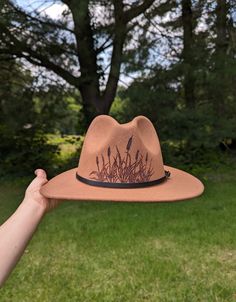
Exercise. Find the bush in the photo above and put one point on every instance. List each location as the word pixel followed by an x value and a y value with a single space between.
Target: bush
pixel 22 153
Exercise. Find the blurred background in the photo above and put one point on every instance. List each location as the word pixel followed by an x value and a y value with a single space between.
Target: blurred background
pixel 64 62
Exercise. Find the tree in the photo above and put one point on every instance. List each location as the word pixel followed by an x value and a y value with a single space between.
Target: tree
pixel 23 145
pixel 188 58
pixel 220 55
pixel 192 100
pixel 76 52
pixel 15 93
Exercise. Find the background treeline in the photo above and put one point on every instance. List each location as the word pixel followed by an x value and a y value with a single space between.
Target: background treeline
pixel 180 54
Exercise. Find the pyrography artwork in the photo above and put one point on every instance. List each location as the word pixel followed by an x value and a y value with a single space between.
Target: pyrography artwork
pixel 123 170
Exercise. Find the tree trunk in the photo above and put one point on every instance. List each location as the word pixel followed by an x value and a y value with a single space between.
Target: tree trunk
pixel 94 101
pixel 188 57
pixel 89 113
pixel 220 56
pixel 93 104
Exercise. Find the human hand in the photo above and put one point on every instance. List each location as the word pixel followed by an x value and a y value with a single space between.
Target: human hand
pixel 32 193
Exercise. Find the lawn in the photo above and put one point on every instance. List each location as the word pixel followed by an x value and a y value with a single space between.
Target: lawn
pixel 99 251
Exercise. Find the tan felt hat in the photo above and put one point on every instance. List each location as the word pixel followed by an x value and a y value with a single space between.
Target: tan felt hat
pixel 122 162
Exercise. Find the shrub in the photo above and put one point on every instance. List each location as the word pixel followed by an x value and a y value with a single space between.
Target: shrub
pixel 23 152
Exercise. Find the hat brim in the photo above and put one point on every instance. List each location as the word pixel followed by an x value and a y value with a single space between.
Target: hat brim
pixel 179 186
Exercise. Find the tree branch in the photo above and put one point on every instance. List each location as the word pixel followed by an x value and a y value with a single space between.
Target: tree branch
pixel 85 49
pixel 104 46
pixel 116 59
pixel 18 48
pixel 137 10
pixel 50 23
pixel 120 29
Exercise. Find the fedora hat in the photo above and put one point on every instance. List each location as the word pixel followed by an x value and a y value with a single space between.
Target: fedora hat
pixel 122 162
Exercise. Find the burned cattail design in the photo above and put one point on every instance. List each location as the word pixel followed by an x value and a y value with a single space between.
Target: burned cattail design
pixel 97 162
pixel 129 143
pixel 123 169
pixel 109 151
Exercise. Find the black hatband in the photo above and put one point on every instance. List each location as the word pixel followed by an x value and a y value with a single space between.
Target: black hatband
pixel 122 184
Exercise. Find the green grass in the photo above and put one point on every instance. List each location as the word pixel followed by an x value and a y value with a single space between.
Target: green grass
pixel 82 251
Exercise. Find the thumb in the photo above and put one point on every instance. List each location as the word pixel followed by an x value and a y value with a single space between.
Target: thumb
pixel 41 175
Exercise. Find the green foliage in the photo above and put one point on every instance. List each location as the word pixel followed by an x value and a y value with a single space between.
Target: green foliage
pixel 58 109
pixel 24 119
pixel 150 96
pixel 189 136
pixel 69 148
pixel 22 152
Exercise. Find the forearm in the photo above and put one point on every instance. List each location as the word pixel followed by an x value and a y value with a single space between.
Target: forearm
pixel 15 234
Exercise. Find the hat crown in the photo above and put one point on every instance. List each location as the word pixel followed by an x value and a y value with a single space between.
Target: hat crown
pixel 121 153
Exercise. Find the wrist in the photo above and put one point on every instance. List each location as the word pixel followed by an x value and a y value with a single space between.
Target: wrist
pixel 34 206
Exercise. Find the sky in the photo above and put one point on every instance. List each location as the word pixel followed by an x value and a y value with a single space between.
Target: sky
pixel 53 10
